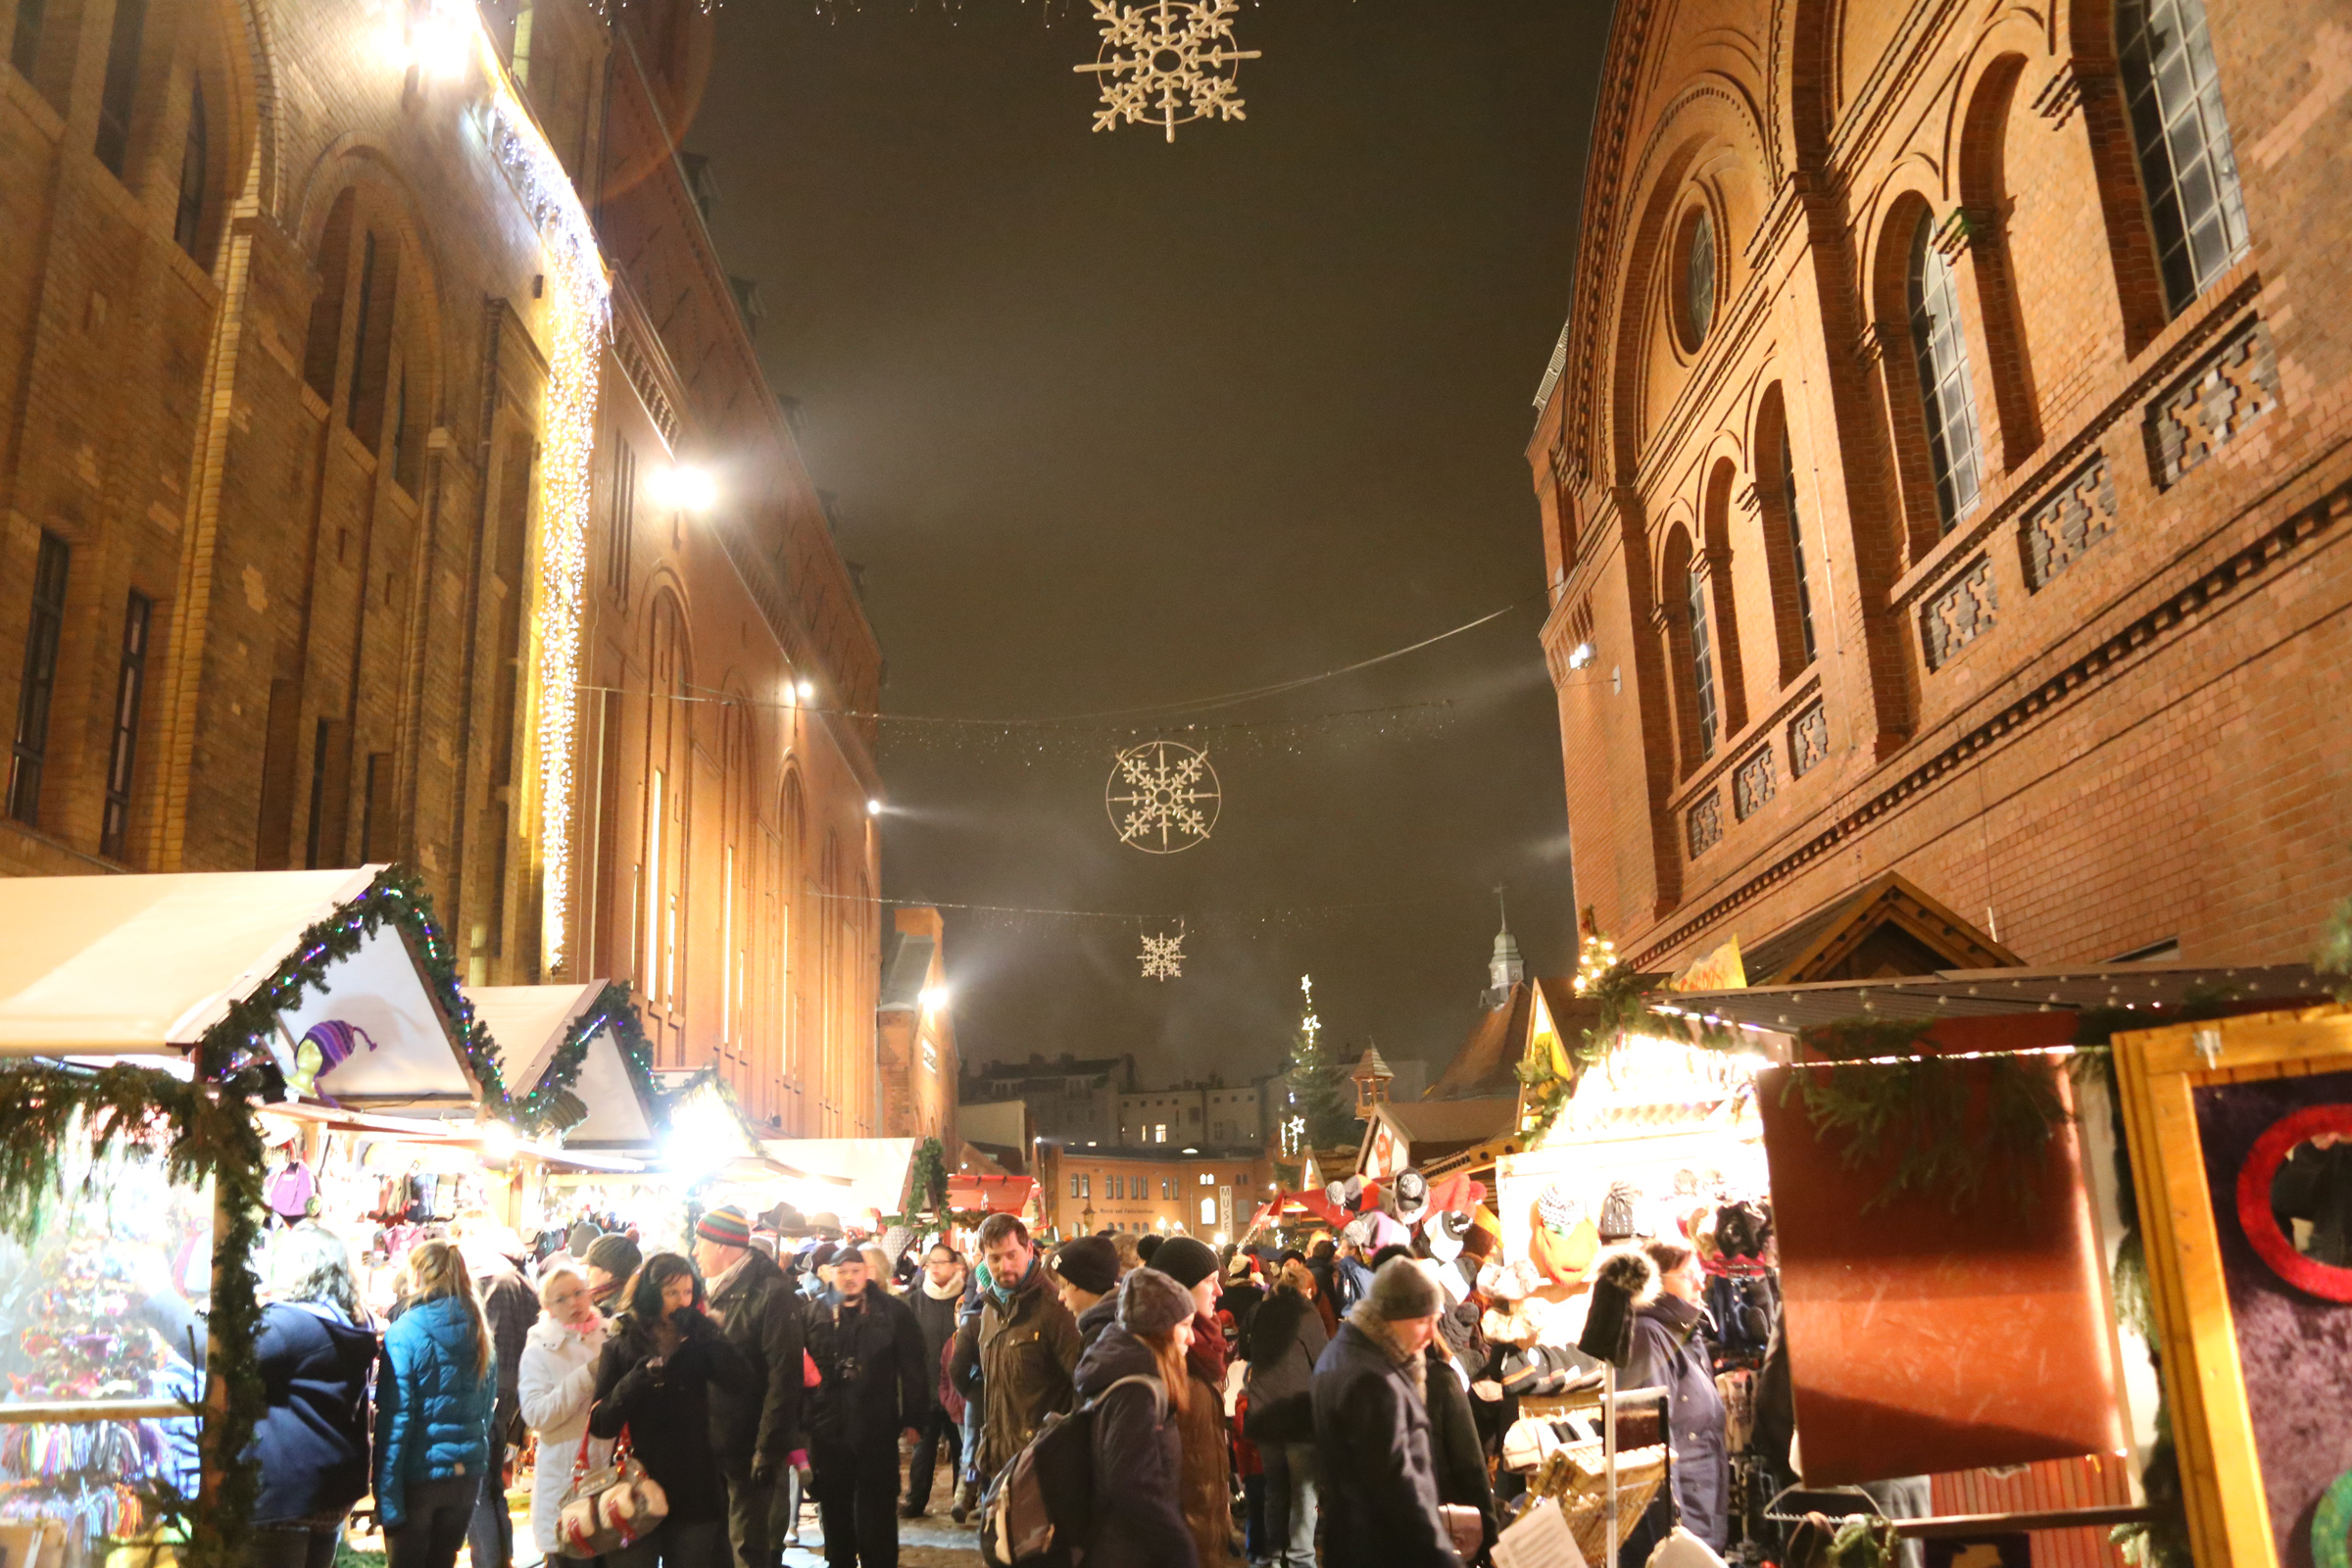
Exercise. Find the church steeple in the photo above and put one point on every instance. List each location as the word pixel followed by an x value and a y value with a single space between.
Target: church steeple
pixel 1505 969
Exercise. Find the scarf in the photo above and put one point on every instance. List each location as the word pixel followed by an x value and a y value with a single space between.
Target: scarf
pixel 1380 1332
pixel 1207 1359
pixel 942 1293
pixel 1001 1294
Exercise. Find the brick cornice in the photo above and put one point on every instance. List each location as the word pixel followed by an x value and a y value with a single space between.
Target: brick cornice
pixel 2243 567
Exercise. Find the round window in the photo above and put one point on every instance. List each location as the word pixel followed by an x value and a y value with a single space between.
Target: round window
pixel 1698 278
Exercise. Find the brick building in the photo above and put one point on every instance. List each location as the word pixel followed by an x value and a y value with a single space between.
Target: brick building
pixel 1942 472
pixel 915 1037
pixel 334 528
pixel 1201 1190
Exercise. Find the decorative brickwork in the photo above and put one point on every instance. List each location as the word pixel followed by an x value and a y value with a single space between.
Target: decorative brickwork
pixel 1808 740
pixel 1704 823
pixel 2062 530
pixel 2236 385
pixel 1753 785
pixel 1958 616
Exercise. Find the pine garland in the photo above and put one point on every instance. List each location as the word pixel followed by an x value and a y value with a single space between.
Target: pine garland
pixel 927 1183
pixel 551 1106
pixel 205 1128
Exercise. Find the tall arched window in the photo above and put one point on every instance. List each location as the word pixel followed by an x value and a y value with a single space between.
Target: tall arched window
pixel 1702 663
pixel 1793 520
pixel 2185 166
pixel 1941 350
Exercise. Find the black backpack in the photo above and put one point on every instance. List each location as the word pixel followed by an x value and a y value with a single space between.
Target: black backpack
pixel 1041 1508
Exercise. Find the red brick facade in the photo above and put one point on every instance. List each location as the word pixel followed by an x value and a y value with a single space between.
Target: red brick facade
pixel 2010 514
pixel 273 408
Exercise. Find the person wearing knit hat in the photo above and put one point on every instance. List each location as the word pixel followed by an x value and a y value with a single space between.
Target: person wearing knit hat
pixel 1208 1454
pixel 1147 1244
pixel 1085 1272
pixel 754 1419
pixel 1189 1261
pixel 1134 1377
pixel 1373 1457
pixel 611 1260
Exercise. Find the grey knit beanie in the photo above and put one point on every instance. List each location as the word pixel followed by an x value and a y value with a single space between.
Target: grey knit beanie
pixel 1403 1288
pixel 1151 1304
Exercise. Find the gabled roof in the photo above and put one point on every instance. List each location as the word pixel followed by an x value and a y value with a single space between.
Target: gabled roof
pixel 1884 928
pixel 1488 1065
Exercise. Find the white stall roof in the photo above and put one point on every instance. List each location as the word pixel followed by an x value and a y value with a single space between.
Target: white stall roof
pixel 96 966
pixel 528 1022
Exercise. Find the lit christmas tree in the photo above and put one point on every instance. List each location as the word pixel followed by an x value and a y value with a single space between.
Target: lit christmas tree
pixel 1319 1112
pixel 1596 954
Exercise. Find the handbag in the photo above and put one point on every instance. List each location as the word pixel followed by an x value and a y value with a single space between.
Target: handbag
pixel 606 1510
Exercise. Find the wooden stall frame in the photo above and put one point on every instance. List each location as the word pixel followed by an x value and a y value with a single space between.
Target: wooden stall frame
pixel 2158 1072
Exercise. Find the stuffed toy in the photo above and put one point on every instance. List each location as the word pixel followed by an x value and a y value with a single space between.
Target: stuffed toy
pixel 1563 1241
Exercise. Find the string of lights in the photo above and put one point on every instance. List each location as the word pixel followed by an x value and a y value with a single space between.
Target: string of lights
pixel 578 313
pixel 1286 916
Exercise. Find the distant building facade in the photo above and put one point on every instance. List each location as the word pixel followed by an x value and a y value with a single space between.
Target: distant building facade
pixel 301 504
pixel 1211 1192
pixel 1193 1113
pixel 1943 471
pixel 1073 1099
pixel 915 1031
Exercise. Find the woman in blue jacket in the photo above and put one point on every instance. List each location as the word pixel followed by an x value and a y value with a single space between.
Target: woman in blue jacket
pixel 433 1397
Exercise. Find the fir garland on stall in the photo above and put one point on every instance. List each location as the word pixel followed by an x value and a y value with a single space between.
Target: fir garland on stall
pixel 927 1178
pixel 204 1127
pixel 1917 1105
pixel 551 1106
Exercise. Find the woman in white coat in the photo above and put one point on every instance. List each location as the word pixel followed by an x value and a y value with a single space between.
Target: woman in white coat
pixel 557 1384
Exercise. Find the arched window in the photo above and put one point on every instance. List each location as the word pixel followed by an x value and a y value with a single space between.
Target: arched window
pixel 1941 350
pixel 195 157
pixel 2182 138
pixel 1794 521
pixel 1690 277
pixel 1702 664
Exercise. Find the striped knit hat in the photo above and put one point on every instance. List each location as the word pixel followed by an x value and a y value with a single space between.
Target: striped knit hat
pixel 727 1226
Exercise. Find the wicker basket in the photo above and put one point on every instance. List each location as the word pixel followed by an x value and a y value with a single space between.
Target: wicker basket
pixel 1574 1476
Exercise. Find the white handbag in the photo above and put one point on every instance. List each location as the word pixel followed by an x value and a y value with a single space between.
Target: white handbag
pixel 606 1510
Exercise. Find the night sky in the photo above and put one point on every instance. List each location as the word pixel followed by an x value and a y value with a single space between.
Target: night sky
pixel 1115 423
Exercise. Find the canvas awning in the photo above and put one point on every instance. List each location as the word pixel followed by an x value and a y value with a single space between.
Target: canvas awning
pixel 844 1176
pixel 101 967
pixel 532 1025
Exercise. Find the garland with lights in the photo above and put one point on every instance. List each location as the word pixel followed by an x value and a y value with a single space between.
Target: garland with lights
pixel 204 1128
pixel 551 1106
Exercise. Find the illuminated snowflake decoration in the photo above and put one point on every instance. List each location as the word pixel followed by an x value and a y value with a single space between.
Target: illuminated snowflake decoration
pixel 1163 958
pixel 1168 63
pixel 1162 797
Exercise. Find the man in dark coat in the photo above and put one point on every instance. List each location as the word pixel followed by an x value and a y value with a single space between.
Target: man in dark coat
pixel 868 1351
pixel 1670 1352
pixel 1372 1447
pixel 755 1423
pixel 1456 1454
pixel 1027 1344
pixel 937 1302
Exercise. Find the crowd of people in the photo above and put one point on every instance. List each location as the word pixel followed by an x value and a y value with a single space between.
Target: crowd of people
pixel 1288 1408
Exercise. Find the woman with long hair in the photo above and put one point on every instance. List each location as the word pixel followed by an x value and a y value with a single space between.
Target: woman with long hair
pixel 311 1443
pixel 1135 1375
pixel 555 1384
pixel 654 1379
pixel 434 1393
pixel 1208 1445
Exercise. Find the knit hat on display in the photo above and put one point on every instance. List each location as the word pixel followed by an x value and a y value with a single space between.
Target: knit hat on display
pixel 616 1254
pixel 1402 1290
pixel 1147 1244
pixel 727 1226
pixel 1090 1262
pixel 1151 1303
pixel 1186 1259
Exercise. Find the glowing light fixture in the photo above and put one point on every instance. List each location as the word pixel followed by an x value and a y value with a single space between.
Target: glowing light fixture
pixel 874 807
pixel 806 689
pixel 1580 656
pixel 685 487
pixel 934 998
pixel 439 41
pixel 498 1144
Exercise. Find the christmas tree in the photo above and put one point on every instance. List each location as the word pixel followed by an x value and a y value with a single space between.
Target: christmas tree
pixel 1319 1114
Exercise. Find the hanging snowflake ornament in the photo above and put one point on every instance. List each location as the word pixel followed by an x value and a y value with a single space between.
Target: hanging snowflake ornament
pixel 1168 63
pixel 1162 797
pixel 1163 958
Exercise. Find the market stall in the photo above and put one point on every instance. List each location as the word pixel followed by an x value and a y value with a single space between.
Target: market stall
pixel 142 1020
